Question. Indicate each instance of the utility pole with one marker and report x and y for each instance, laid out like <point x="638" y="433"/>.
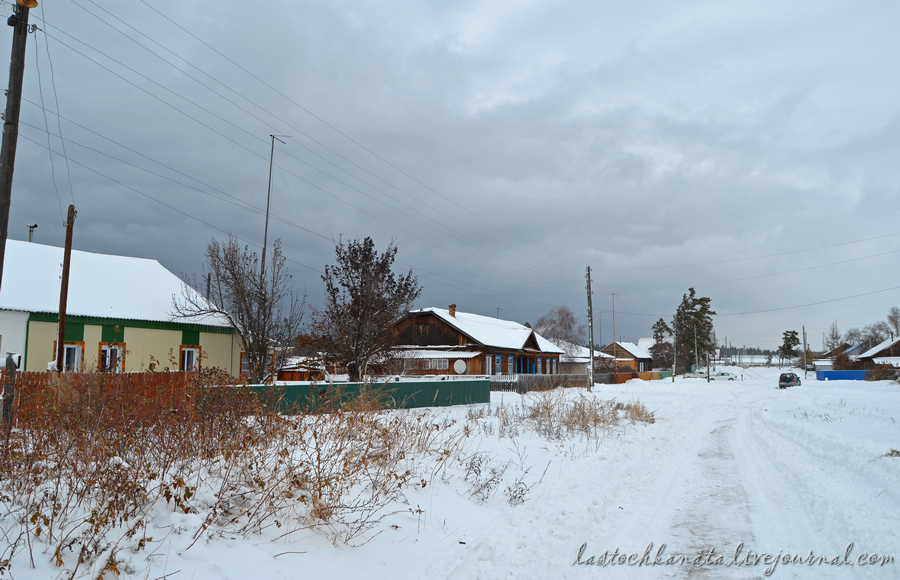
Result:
<point x="262" y="268"/>
<point x="19" y="22"/>
<point x="64" y="290"/>
<point x="674" y="349"/>
<point x="615" y="355"/>
<point x="590" y="331"/>
<point x="804" y="351"/>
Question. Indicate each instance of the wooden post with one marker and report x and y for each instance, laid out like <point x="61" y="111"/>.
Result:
<point x="64" y="290"/>
<point x="19" y="22"/>
<point x="590" y="331"/>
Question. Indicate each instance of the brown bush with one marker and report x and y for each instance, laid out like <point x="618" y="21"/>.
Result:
<point x="91" y="460"/>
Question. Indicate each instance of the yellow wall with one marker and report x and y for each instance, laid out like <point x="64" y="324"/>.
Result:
<point x="41" y="336"/>
<point x="143" y="343"/>
<point x="218" y="351"/>
<point x="91" y="347"/>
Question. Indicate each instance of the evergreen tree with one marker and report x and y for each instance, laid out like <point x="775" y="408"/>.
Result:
<point x="790" y="341"/>
<point x="693" y="329"/>
<point x="663" y="349"/>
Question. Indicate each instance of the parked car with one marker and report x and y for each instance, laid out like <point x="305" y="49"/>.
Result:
<point x="695" y="375"/>
<point x="723" y="376"/>
<point x="788" y="380"/>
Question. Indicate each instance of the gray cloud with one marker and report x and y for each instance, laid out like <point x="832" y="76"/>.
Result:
<point x="506" y="147"/>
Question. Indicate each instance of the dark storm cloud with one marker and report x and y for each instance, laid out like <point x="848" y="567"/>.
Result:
<point x="507" y="145"/>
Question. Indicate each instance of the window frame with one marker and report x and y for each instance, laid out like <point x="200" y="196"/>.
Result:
<point x="193" y="348"/>
<point x="120" y="361"/>
<point x="271" y="363"/>
<point x="79" y="362"/>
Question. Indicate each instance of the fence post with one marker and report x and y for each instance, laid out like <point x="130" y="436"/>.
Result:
<point x="9" y="395"/>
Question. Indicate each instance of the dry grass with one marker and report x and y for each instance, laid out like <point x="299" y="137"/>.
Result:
<point x="555" y="415"/>
<point x="94" y="465"/>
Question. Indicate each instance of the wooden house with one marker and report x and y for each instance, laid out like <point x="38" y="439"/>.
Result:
<point x="881" y="355"/>
<point x="436" y="341"/>
<point x="630" y="355"/>
<point x="118" y="315"/>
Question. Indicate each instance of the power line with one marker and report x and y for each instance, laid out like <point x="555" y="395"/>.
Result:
<point x="253" y="103"/>
<point x="812" y="303"/>
<point x="756" y="257"/>
<point x="341" y="133"/>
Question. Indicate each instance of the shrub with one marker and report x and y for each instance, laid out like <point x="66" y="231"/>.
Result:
<point x="94" y="461"/>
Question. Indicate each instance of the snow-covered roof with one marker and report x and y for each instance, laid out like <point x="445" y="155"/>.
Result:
<point x="547" y="345"/>
<point x="646" y="343"/>
<point x="634" y="350"/>
<point x="880" y="347"/>
<point x="575" y="353"/>
<point x="100" y="285"/>
<point x="491" y="331"/>
<point x="894" y="361"/>
<point x="432" y="354"/>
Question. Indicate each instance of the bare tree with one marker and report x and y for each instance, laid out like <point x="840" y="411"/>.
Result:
<point x="876" y="332"/>
<point x="853" y="336"/>
<point x="893" y="319"/>
<point x="264" y="310"/>
<point x="833" y="338"/>
<point x="560" y="326"/>
<point x="363" y="300"/>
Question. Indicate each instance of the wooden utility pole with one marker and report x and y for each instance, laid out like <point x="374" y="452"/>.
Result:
<point x="19" y="22"/>
<point x="64" y="291"/>
<point x="615" y="336"/>
<point x="262" y="267"/>
<point x="590" y="331"/>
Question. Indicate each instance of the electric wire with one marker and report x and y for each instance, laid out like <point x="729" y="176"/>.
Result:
<point x="37" y="63"/>
<point x="341" y="133"/>
<point x="437" y="223"/>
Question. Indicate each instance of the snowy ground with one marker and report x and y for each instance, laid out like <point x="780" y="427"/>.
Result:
<point x="726" y="463"/>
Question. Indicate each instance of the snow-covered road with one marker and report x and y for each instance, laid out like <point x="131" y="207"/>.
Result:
<point x="736" y="472"/>
<point x="739" y="468"/>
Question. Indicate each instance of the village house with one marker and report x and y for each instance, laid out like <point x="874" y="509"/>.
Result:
<point x="630" y="355"/>
<point x="883" y="354"/>
<point x="435" y="341"/>
<point x="118" y="315"/>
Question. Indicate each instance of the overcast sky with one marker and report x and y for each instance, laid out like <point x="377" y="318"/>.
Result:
<point x="749" y="150"/>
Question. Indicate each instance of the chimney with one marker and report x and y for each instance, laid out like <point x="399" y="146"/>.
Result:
<point x="452" y="309"/>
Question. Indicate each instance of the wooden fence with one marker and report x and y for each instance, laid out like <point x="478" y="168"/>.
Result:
<point x="35" y="390"/>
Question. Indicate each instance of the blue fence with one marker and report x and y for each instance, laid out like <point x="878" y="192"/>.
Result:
<point x="841" y="375"/>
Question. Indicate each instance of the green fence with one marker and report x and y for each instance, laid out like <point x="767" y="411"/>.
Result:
<point x="292" y="398"/>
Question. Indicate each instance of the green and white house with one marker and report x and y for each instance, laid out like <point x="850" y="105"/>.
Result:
<point x="118" y="315"/>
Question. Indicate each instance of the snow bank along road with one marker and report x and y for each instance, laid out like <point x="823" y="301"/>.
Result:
<point x="727" y="468"/>
<point x="748" y="471"/>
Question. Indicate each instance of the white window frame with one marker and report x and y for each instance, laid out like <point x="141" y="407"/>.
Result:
<point x="195" y="355"/>
<point x="76" y="348"/>
<point x="105" y="348"/>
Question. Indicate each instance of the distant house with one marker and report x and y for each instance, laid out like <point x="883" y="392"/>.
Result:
<point x="436" y="341"/>
<point x="855" y="351"/>
<point x="886" y="353"/>
<point x="631" y="355"/>
<point x="118" y="315"/>
<point x="576" y="359"/>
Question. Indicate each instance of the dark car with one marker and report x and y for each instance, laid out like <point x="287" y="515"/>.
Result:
<point x="788" y="380"/>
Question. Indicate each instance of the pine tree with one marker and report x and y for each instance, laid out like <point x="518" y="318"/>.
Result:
<point x="693" y="328"/>
<point x="662" y="350"/>
<point x="791" y="340"/>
